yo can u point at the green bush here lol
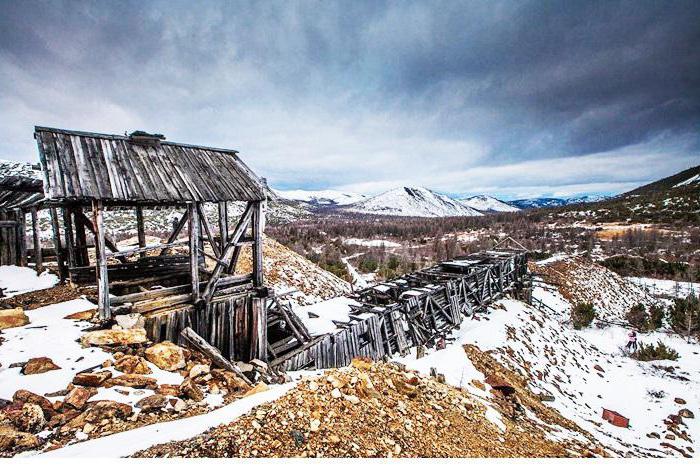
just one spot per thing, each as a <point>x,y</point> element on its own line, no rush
<point>656,316</point>
<point>582,315</point>
<point>684,315</point>
<point>661,351</point>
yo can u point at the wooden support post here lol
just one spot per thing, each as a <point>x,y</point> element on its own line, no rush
<point>21,237</point>
<point>104,311</point>
<point>194,249</point>
<point>258,222</point>
<point>57,244</point>
<point>38,257</point>
<point>223,224</point>
<point>140,229</point>
<point>80,238</point>
<point>68,230</point>
<point>258,329</point>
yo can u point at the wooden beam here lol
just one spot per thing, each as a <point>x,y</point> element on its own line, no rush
<point>82,220</point>
<point>258,329</point>
<point>68,231</point>
<point>223,224</point>
<point>134,251</point>
<point>62,272</point>
<point>208,231</point>
<point>176,231</point>
<point>140,230</point>
<point>195,341</point>
<point>21,235</point>
<point>80,238</point>
<point>258,225</point>
<point>103,308</point>
<point>194,249</point>
<point>38,258</point>
<point>230,246</point>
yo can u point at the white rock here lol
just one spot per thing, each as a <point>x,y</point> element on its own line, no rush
<point>335,393</point>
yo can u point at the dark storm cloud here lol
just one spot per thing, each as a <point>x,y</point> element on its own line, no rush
<point>459,96</point>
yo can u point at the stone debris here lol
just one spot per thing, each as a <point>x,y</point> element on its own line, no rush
<point>114,337</point>
<point>13,318</point>
<point>35,366</point>
<point>382,411</point>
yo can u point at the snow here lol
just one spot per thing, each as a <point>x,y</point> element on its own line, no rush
<point>376,243</point>
<point>128,442</point>
<point>334,309</point>
<point>357,280</point>
<point>416,202</point>
<point>16,280</point>
<point>486,203</point>
<point>694,179</point>
<point>668,288</point>
<point>322,197</point>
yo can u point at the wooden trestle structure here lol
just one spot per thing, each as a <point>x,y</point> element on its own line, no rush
<point>410,311</point>
<point>171,284</point>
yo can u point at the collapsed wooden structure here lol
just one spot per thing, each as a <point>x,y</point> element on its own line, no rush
<point>22,195</point>
<point>407,312</point>
<point>181,282</point>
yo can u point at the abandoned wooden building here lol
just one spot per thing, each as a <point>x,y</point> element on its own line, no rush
<point>190,282</point>
<point>22,195</point>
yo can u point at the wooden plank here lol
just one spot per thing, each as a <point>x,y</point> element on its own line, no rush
<point>194,249</point>
<point>21,238</point>
<point>140,230</point>
<point>38,259</point>
<point>258,225</point>
<point>60,260</point>
<point>195,341</point>
<point>103,307</point>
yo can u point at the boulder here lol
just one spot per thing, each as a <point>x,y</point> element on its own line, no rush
<point>231,381</point>
<point>133,364</point>
<point>686,413</point>
<point>132,381</point>
<point>166,356</point>
<point>11,439</point>
<point>152,403</point>
<point>679,400</point>
<point>13,318</point>
<point>93,380</point>
<point>198,370</point>
<point>35,366</point>
<point>130,321</point>
<point>260,387</point>
<point>78,396</point>
<point>86,315</point>
<point>168,390</point>
<point>190,390</point>
<point>22,396</point>
<point>114,337</point>
<point>30,419</point>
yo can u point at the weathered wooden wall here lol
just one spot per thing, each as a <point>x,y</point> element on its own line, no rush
<point>13,247</point>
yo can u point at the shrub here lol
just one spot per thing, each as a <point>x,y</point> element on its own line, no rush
<point>582,315</point>
<point>656,316</point>
<point>638,318</point>
<point>684,315</point>
<point>661,351</point>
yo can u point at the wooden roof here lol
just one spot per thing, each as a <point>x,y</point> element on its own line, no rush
<point>79,166</point>
<point>18,191</point>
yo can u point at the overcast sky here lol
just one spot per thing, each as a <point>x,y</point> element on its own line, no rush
<point>515,99</point>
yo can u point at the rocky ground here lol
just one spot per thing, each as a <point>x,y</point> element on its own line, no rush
<point>377,410</point>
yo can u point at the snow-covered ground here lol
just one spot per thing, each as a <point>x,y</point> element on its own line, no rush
<point>15,280</point>
<point>358,281</point>
<point>413,201</point>
<point>377,243</point>
<point>666,288</point>
<point>561,361</point>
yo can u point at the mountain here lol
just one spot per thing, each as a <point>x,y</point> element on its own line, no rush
<point>413,202</point>
<point>687,179</point>
<point>485,203</point>
<point>534,203</point>
<point>321,197</point>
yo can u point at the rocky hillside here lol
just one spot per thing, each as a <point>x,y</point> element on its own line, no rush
<point>286,271</point>
<point>377,410</point>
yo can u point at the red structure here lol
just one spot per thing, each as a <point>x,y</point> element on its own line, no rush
<point>616,418</point>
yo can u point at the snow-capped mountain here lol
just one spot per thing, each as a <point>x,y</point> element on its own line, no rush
<point>415,202</point>
<point>322,197</point>
<point>485,203</point>
<point>533,203</point>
